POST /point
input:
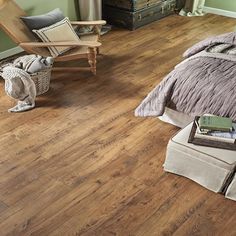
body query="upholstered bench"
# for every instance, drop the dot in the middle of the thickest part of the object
(212, 168)
(231, 190)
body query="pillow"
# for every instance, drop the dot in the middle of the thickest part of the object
(61, 31)
(41, 21)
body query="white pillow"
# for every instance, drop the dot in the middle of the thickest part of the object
(60, 31)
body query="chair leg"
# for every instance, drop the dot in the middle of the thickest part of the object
(92, 60)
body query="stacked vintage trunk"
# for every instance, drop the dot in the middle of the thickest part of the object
(132, 14)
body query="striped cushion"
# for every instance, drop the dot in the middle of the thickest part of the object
(60, 31)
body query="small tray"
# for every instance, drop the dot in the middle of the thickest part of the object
(206, 142)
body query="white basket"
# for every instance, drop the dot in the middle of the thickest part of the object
(42, 81)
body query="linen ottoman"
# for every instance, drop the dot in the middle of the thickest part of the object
(231, 190)
(210, 167)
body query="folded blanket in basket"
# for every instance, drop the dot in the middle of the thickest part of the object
(33, 63)
(18, 83)
(20, 86)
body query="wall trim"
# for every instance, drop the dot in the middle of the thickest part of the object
(10, 52)
(218, 11)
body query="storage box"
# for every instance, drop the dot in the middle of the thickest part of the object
(133, 20)
(131, 5)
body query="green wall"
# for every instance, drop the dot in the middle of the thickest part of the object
(34, 7)
(228, 5)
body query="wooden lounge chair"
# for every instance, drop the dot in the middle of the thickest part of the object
(87, 47)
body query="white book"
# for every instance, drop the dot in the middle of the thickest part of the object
(214, 138)
(227, 137)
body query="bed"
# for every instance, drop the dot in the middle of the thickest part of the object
(205, 82)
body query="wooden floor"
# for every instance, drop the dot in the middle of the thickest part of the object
(82, 164)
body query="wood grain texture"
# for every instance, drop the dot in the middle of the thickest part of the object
(82, 164)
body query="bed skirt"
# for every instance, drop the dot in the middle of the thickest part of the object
(176, 118)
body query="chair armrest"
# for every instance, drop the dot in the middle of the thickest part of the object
(66, 43)
(89, 23)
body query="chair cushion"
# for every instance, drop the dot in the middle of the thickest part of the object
(207, 166)
(41, 21)
(60, 31)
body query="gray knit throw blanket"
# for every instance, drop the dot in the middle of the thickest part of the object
(18, 83)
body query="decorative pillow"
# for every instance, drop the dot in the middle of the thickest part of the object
(41, 21)
(61, 31)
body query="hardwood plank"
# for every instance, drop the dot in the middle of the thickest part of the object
(216, 210)
(3, 206)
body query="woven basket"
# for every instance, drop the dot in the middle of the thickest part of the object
(42, 80)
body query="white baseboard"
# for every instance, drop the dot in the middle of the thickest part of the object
(218, 11)
(10, 52)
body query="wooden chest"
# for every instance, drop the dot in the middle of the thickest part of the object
(131, 5)
(135, 19)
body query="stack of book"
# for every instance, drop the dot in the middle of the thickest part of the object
(213, 131)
